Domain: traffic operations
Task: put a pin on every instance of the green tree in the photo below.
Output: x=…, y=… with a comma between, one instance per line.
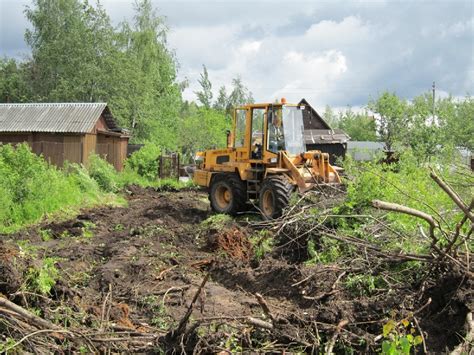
x=240, y=95
x=205, y=95
x=13, y=84
x=222, y=100
x=148, y=99
x=72, y=52
x=392, y=118
x=422, y=131
x=360, y=127
x=457, y=122
x=203, y=129
x=330, y=118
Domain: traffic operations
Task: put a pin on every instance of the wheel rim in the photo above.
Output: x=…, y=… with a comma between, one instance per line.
x=223, y=196
x=267, y=203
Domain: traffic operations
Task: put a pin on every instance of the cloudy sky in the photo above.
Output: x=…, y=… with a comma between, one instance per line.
x=335, y=53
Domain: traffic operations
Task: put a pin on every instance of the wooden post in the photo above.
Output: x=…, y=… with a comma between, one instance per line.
x=178, y=167
x=160, y=166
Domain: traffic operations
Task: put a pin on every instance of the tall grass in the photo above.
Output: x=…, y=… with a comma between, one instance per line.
x=31, y=188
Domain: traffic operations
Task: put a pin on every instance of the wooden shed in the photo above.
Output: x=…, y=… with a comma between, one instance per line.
x=65, y=131
x=318, y=135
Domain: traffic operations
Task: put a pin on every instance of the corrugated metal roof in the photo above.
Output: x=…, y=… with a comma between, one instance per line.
x=324, y=136
x=52, y=117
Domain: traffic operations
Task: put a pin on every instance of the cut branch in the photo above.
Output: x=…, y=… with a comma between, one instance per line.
x=453, y=195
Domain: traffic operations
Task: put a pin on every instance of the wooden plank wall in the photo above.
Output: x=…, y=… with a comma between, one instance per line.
x=57, y=148
x=113, y=149
x=89, y=142
x=73, y=149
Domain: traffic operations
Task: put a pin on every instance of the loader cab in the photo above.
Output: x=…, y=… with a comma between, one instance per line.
x=263, y=130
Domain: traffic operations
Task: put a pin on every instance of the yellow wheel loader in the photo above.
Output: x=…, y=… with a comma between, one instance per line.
x=265, y=161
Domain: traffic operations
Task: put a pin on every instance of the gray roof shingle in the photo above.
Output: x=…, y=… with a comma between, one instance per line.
x=53, y=117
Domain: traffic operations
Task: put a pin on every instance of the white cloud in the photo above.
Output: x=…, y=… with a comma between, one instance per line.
x=336, y=53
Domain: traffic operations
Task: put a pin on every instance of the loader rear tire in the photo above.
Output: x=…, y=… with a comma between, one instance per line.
x=227, y=194
x=274, y=196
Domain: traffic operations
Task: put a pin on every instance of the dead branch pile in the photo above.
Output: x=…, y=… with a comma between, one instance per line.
x=446, y=258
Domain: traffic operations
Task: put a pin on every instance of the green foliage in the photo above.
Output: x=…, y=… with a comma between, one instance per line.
x=45, y=234
x=325, y=251
x=205, y=96
x=87, y=229
x=262, y=243
x=392, y=118
x=42, y=278
x=360, y=127
x=7, y=346
x=330, y=118
x=216, y=221
x=363, y=284
x=104, y=173
x=160, y=317
x=172, y=184
x=407, y=183
x=239, y=95
x=412, y=124
x=399, y=337
x=145, y=161
x=203, y=129
x=31, y=188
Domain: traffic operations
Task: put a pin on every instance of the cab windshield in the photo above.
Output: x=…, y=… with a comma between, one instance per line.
x=285, y=130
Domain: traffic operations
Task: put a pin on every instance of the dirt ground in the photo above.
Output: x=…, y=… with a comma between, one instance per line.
x=130, y=274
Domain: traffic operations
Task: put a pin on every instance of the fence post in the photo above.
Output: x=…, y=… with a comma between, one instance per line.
x=160, y=166
x=177, y=175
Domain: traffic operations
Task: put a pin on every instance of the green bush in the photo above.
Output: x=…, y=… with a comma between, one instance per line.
x=31, y=188
x=145, y=161
x=407, y=183
x=104, y=173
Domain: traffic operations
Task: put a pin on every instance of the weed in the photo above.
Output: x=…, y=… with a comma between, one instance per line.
x=119, y=227
x=363, y=284
x=217, y=221
x=160, y=319
x=41, y=279
x=65, y=234
x=172, y=184
x=87, y=229
x=26, y=248
x=144, y=162
x=45, y=234
x=7, y=346
x=400, y=337
x=262, y=243
x=26, y=198
x=104, y=173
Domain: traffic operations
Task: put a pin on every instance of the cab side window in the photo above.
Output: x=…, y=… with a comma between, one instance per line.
x=240, y=117
x=276, y=140
x=257, y=132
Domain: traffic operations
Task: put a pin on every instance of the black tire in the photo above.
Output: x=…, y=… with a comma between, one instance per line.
x=274, y=196
x=235, y=191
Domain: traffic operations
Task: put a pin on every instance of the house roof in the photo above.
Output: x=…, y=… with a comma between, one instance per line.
x=54, y=117
x=315, y=114
x=325, y=136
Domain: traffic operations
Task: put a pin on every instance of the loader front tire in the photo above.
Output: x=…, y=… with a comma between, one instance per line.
x=227, y=194
x=274, y=196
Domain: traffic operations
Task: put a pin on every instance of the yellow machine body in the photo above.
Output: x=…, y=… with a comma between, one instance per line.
x=266, y=141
